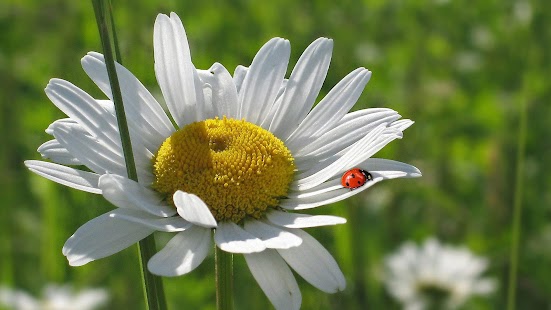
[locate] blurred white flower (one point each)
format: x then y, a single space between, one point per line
468 61
376 201
435 276
482 37
440 88
54 297
368 52
522 12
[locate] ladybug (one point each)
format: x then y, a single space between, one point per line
355 178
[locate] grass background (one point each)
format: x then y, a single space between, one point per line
460 69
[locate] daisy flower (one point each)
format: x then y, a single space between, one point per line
54 297
231 161
435 276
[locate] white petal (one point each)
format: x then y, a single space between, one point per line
331 108
96 155
207 109
402 124
55 152
84 109
50 129
101 135
107 104
327 186
69 125
275 278
331 191
203 108
280 93
348 131
239 76
175 72
141 147
166 224
273 237
294 220
390 169
268 117
313 201
303 87
193 209
101 237
183 253
231 238
224 93
81 180
360 151
90 151
312 262
126 193
263 80
150 124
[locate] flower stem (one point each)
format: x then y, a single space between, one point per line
153 286
517 207
356 223
224 279
101 19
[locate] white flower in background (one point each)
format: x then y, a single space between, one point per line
435 276
54 297
245 153
523 12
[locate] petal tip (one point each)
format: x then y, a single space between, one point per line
161 17
416 173
342 286
174 15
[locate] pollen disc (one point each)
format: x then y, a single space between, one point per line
237 168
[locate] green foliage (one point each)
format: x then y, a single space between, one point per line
460 69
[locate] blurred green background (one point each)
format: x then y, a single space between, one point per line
460 69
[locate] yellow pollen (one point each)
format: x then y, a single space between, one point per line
237 168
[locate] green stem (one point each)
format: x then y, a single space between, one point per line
356 224
101 19
153 286
224 279
517 208
118 56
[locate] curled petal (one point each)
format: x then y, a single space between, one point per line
125 193
275 278
295 220
312 261
78 179
231 238
273 237
193 209
102 236
183 253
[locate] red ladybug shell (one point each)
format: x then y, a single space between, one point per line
355 178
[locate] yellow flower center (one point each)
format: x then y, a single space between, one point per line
237 168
